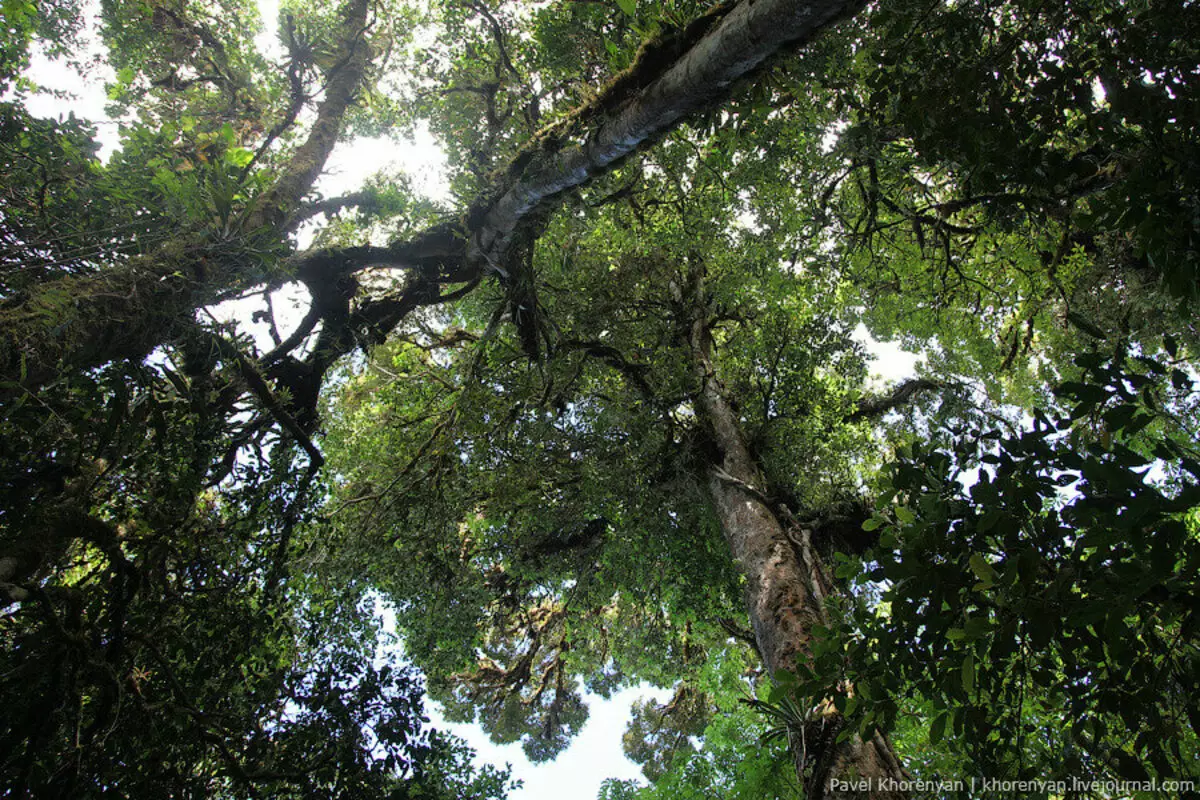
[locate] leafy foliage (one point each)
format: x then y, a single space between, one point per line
736 761
1035 588
167 657
524 459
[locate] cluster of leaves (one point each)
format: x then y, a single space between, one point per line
556 503
545 566
57 201
55 25
1006 169
523 472
1035 591
68 215
172 650
162 631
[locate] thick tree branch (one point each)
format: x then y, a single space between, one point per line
734 47
634 373
278 207
365 199
716 51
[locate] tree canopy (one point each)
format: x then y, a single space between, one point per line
607 416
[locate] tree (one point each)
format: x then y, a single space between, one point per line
618 301
513 517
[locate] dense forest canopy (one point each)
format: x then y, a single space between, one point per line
606 416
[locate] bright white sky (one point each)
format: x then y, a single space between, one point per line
594 756
596 753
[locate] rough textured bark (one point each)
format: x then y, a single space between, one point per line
786 581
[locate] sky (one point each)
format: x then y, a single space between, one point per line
594 756
596 753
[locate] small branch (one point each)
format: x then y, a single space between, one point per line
270 318
258 385
297 99
723 476
295 338
331 205
738 632
453 338
875 407
634 373
498 36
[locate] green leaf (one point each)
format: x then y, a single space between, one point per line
628 6
982 569
968 673
238 156
1086 326
1129 767
978 627
938 729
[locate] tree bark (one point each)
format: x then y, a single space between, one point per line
786 581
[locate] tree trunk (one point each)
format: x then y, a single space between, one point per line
786 581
